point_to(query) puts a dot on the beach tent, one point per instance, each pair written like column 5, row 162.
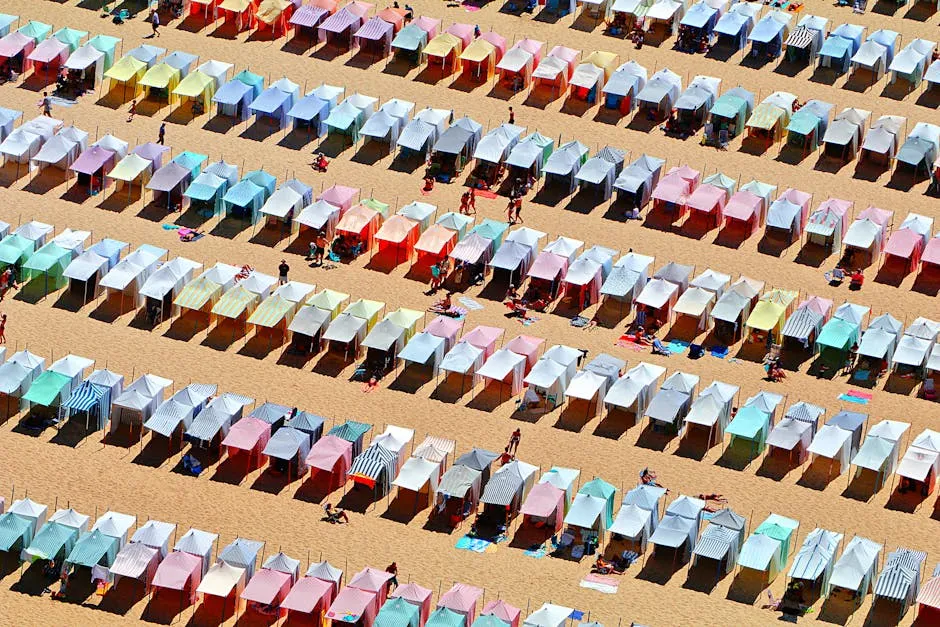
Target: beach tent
column 827, row 225
column 507, row 488
column 680, row 524
column 562, row 165
column 8, row 118
column 129, row 274
column 693, row 104
column 911, row 63
column 839, row 439
column 804, row 42
column 235, row 97
column 809, row 125
column 636, row 183
column 920, row 464
column 814, row 562
column 410, row 41
column 15, row 49
column 308, row 17
column 712, row 410
column 444, row 50
column 899, row 580
column 921, row 147
column 155, row 535
column 840, row 46
column 769, row 34
column 771, row 117
column 275, row 102
column 623, row 85
column 880, row 450
column 867, row 234
column 49, row 55
column 461, row 599
column 165, row 284
column 517, row 64
column 555, row 69
column 598, row 174
column 660, row 92
column 928, row 599
column 844, row 135
column 855, row 569
column 634, row 391
column 160, row 81
column 767, row 549
column 180, row 572
column 6, row 22
column 731, row 110
column 734, row 26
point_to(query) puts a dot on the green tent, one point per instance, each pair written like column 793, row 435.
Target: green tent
column 730, row 108
column 351, row 431
column 38, row 31
column 15, row 250
column 398, row 612
column 48, row 262
column 70, row 37
column 489, row 620
column 93, row 549
column 778, row 532
column 603, row 490
column 837, row 334
column 54, row 540
column 107, row 45
column 14, row 530
column 443, row 617
column 47, row 389
column 492, row 230
column 749, row 428
column 803, row 130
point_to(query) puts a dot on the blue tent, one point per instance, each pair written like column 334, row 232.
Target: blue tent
column 233, row 99
column 310, row 112
column 768, row 35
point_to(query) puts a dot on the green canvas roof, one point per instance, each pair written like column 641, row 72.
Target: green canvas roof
column 13, row 528
column 249, row 79
column 271, row 312
column 15, row 249
column 70, row 37
column 92, row 549
column 350, row 430
column 54, row 538
column 729, row 106
column 748, row 423
column 803, row 122
column 837, row 334
column 443, row 617
column 397, row 612
column 489, row 620
column 50, row 259
column 46, row 389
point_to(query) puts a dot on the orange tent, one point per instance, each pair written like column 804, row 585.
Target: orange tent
column 400, row 233
column 359, row 223
column 395, row 17
column 436, row 242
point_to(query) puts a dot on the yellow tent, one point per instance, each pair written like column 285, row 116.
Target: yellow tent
column 442, row 47
column 128, row 70
column 602, row 60
column 270, row 10
column 328, row 300
column 163, row 78
column 406, row 319
column 482, row 55
column 129, row 168
column 238, row 6
column 368, row 310
column 197, row 86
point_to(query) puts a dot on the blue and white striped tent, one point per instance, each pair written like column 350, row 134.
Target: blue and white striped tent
column 92, row 400
column 376, row 464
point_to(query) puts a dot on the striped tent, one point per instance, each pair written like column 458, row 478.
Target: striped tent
column 235, row 302
column 271, row 312
column 197, row 293
column 52, row 541
column 89, row 398
column 375, row 467
column 14, row 529
column 718, row 543
column 93, row 549
column 899, row 581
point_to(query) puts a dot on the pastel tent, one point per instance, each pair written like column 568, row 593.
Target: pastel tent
column 921, row 461
column 15, row 49
column 899, row 580
column 693, row 104
column 49, row 55
column 809, row 125
column 767, row 548
column 274, row 14
column 197, row 86
column 556, row 68
column 8, row 118
column 338, row 28
column 6, row 21
column 130, row 273
column 921, row 147
column 508, row 487
column 24, row 143
column 548, row 615
column 827, row 225
column 501, row 611
column 856, row 567
column 868, row 232
column 234, row 97
column 160, row 81
column 597, row 175
column 660, row 92
column 623, row 85
column 770, row 32
column 735, row 25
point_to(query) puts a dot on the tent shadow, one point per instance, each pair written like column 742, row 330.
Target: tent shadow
column 754, row 146
column 411, row 379
column 584, row 202
column 72, row 433
column 529, row 537
column 405, row 507
column 824, row 76
column 693, row 445
column 313, row 491
column 868, row 170
column 120, row 199
column 225, row 333
column 35, row 291
column 615, row 423
column 120, row 602
column 790, row 69
column 67, row 301
column 333, row 146
column 32, row 582
column 791, row 155
column 187, row 326
column 747, row 586
column 812, row 255
column 229, row 228
column 491, row 396
column 331, row 365
column 270, row 235
column 702, row 577
column 920, row 12
column 927, row 282
column 837, row 610
column 735, row 460
column 661, row 564
column 860, row 81
column 772, row 246
column 358, row 499
column 271, row 481
column 262, row 344
column 466, row 83
column 221, row 124
column 653, row 439
column 297, row 139
column 181, row 115
column 329, row 52
column 830, row 165
column 45, row 181
column 907, row 502
column 575, row 416
column 549, row 195
column 862, row 487
column 371, row 152
column 293, row 358
column 883, row 612
column 156, row 451
column 775, row 468
column 398, row 67
column 731, row 237
column 156, row 210
column 262, row 128
column 11, row 174
column 901, row 384
column 212, row 611
column 929, row 99
column 165, row 608
column 892, row 272
column 232, row 470
column 76, row 194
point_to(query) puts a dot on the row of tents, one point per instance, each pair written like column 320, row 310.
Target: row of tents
column 115, row 551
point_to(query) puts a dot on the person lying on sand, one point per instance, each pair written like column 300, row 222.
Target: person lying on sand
column 335, row 515
column 443, row 305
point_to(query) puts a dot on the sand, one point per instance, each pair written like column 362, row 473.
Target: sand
column 93, row 477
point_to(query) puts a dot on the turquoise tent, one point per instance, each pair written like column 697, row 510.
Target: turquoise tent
column 54, row 541
column 15, row 250
column 493, row 230
column 49, row 262
column 47, row 389
column 107, row 45
column 93, row 549
column 209, row 190
column 443, row 617
column 749, row 429
column 398, row 612
column 601, row 489
column 838, row 335
column 15, row 531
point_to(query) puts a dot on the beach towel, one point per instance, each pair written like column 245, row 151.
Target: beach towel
column 579, row 322
column 485, row 193
column 476, row 545
column 470, row 304
column 537, row 551
column 677, row 346
column 861, row 394
column 853, row 399
column 606, row 585
column 719, row 351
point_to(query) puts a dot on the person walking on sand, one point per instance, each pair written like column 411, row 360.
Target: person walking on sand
column 321, row 249
column 282, row 271
column 512, row 116
column 3, row 328
column 514, row 441
column 154, row 22
column 161, row 135
column 46, row 104
column 132, row 111
column 392, row 569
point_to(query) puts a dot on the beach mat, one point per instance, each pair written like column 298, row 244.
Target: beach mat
column 853, row 399
column 475, row 545
column 607, row 585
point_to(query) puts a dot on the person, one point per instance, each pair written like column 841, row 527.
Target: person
column 443, row 305
column 659, row 348
column 476, row 31
column 511, row 294
column 63, row 585
column 5, row 281
column 154, row 313
column 506, row 457
column 392, row 569
column 512, row 116
column 312, row 251
column 472, row 201
column 46, row 104
column 320, row 163
column 428, row 184
column 777, row 373
column 409, row 13
column 132, row 111
column 335, row 515
column 161, row 135
column 321, row 249
column 465, row 200
column 190, row 235
column 514, row 440
column 371, row 385
column 518, row 208
column 155, row 22
column 282, row 271
column 436, row 276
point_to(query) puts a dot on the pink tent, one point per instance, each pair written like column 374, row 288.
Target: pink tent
column 708, row 199
column 308, row 596
column 428, row 25
column 545, row 501
column 503, row 611
column 352, row 605
column 332, row 455
column 498, row 41
column 548, row 267
column 745, row 207
column 16, row 48
column 907, row 245
column 931, row 254
column 528, row 347
column 531, row 46
column 267, row 587
column 248, row 437
column 463, row 32
column 50, row 53
column 568, row 55
column 822, row 306
column 672, row 189
column 473, row 249
column 447, row 328
column 436, row 242
column 876, row 215
column 179, row 571
column 372, row 580
column 691, row 175
column 799, row 198
column 340, row 196
column 462, row 598
column 484, row 338
column 416, row 595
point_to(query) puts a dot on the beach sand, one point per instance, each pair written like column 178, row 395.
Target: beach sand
column 93, row 477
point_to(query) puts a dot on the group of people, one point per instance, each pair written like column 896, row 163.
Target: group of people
column 440, row 270
column 775, row 371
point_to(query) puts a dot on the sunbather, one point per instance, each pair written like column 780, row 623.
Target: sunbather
column 442, row 305
column 335, row 515
column 659, row 348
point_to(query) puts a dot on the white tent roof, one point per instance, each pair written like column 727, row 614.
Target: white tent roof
column 585, row 385
column 415, row 473
column 500, row 364
column 657, row 293
column 548, row 616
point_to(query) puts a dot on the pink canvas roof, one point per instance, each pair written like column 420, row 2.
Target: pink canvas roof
column 340, row 196
column 307, row 594
column 484, row 338
column 93, row 160
column 329, row 450
column 359, row 8
column 569, row 55
column 742, row 206
column 836, row 205
column 817, row 304
column 14, row 43
column 689, row 174
column 546, row 501
column 707, row 198
column 876, row 215
column 461, row 598
column 267, row 586
column 463, row 32
column 498, row 41
column 49, row 50
column 370, row 579
column 503, row 611
column 248, row 434
column 527, row 346
column 797, row 197
column 412, row 592
column 178, row 571
column 932, row 251
column 903, row 243
column 350, row 604
column 444, row 327
column 548, row 266
column 672, row 188
column 531, row 46
column 428, row 25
